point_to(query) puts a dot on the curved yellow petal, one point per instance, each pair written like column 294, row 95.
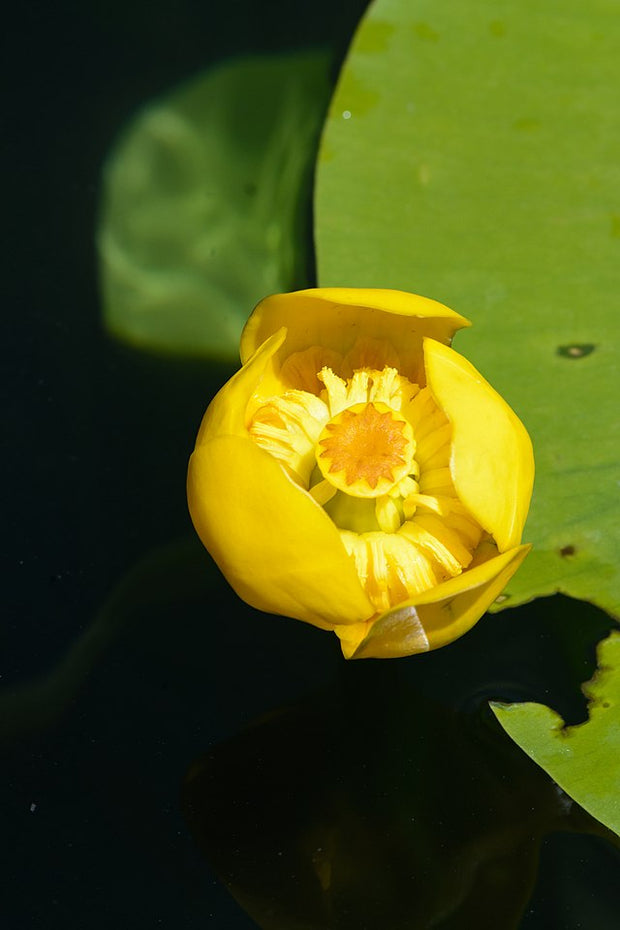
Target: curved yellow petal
column 277, row 547
column 227, row 412
column 436, row 617
column 492, row 462
column 334, row 317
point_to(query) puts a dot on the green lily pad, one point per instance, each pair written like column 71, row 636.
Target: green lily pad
column 584, row 760
column 471, row 154
column 205, row 203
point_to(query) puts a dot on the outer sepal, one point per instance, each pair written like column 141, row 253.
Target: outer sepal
column 492, row 462
column 332, row 317
column 436, row 617
column 276, row 546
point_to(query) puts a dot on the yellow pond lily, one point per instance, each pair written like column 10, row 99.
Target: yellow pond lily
column 359, row 474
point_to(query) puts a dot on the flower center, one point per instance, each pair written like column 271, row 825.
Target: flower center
column 348, row 440
column 365, row 450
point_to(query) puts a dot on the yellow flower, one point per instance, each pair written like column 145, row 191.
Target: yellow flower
column 359, row 474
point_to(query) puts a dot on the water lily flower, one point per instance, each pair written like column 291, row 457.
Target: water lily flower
column 359, row 474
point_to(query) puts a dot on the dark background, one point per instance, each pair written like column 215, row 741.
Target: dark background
column 97, row 737
column 96, row 442
column 97, row 436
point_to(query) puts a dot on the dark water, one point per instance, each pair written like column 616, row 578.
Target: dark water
column 155, row 733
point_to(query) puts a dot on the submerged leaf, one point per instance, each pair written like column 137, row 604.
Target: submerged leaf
column 584, row 760
column 205, row 203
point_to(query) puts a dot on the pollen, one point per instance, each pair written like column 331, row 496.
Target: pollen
column 366, row 450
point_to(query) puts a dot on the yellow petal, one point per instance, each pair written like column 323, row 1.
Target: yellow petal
column 492, row 463
column 335, row 317
column 436, row 617
column 276, row 546
column 227, row 413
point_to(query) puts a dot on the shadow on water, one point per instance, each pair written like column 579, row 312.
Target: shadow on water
column 394, row 800
column 373, row 806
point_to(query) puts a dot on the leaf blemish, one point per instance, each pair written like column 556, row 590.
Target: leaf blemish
column 567, row 551
column 576, row 350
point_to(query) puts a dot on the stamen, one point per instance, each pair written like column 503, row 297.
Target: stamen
column 416, row 568
column 446, row 536
column 425, row 501
column 391, row 388
column 418, row 408
column 469, row 531
column 355, row 545
column 406, row 487
column 389, row 567
column 335, row 394
column 358, row 388
column 432, row 443
column 387, row 513
column 423, row 539
column 288, row 427
column 436, row 480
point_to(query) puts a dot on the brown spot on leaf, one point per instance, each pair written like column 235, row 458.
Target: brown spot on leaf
column 577, row 350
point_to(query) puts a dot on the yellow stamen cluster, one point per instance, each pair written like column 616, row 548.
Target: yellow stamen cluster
column 373, row 449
